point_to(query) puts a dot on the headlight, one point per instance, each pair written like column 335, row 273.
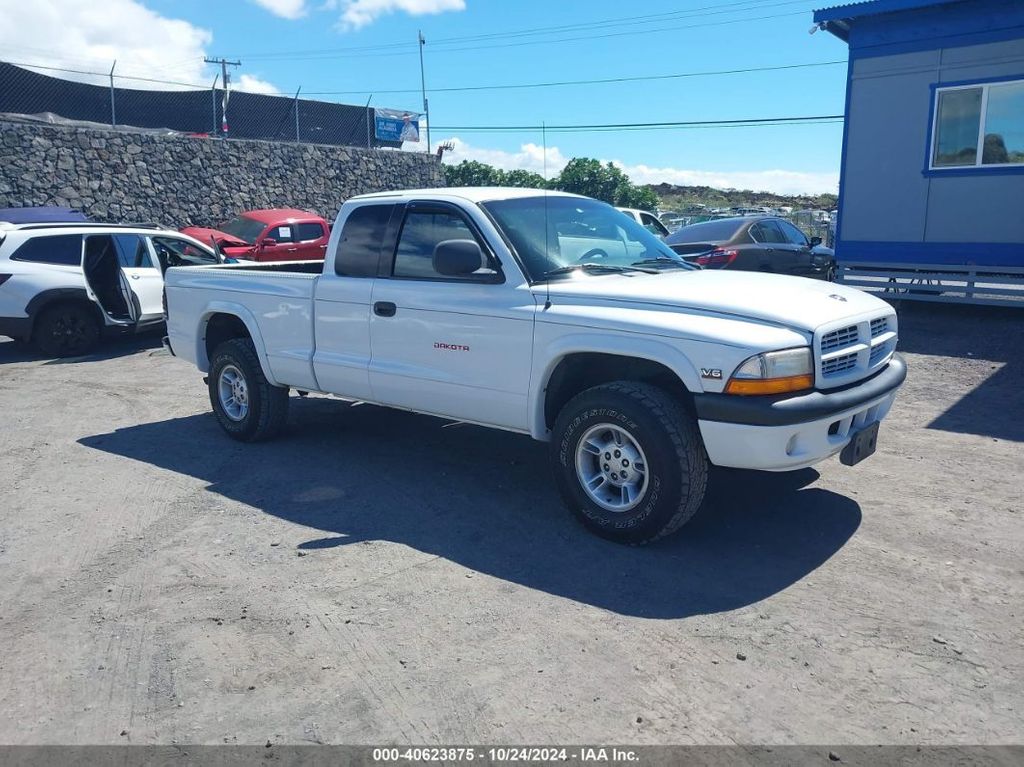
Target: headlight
column 774, row 373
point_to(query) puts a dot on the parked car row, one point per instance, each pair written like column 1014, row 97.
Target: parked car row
column 748, row 242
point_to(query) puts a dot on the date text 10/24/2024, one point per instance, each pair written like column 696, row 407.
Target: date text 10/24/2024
column 505, row 754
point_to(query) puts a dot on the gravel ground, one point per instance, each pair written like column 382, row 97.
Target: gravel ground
column 376, row 576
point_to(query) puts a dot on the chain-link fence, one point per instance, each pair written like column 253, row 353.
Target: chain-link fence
column 184, row 108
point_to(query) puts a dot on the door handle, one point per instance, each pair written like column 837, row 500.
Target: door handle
column 292, row 250
column 384, row 309
column 135, row 276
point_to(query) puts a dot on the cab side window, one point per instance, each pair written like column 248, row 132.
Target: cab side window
column 421, row 233
column 285, row 233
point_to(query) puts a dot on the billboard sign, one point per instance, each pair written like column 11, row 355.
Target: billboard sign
column 396, row 125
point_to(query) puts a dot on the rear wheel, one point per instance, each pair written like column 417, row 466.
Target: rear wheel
column 248, row 407
column 65, row 330
column 629, row 461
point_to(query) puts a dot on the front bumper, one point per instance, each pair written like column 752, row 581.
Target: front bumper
column 790, row 432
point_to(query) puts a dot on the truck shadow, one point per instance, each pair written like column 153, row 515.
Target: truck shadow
column 485, row 500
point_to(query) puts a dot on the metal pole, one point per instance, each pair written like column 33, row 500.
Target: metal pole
column 369, row 132
column 213, row 101
column 113, row 109
column 423, row 89
column 297, row 114
column 226, row 79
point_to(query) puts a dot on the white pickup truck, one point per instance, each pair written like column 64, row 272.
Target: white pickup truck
column 555, row 316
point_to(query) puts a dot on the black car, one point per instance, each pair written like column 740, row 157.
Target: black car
column 754, row 244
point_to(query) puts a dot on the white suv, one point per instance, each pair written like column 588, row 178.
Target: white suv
column 62, row 286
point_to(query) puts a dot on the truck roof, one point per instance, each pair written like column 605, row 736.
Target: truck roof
column 470, row 193
column 274, row 215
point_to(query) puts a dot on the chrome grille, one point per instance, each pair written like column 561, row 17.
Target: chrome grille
column 848, row 353
column 837, row 339
column 838, row 365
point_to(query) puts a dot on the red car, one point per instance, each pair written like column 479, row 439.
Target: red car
column 277, row 234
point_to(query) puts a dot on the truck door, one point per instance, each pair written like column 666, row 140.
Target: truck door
column 278, row 244
column 454, row 346
column 311, row 240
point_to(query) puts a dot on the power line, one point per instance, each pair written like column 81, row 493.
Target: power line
column 104, row 74
column 601, row 81
column 444, row 44
column 597, row 127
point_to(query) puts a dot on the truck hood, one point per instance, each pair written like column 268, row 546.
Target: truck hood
column 223, row 239
column 794, row 302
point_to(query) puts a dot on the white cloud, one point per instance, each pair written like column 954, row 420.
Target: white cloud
column 359, row 13
column 531, row 157
column 775, row 180
column 252, row 84
column 78, row 34
column 286, row 9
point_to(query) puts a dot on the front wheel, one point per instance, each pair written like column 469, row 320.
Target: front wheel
column 629, row 461
column 248, row 407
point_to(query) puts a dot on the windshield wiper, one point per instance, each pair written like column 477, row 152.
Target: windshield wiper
column 676, row 263
column 591, row 267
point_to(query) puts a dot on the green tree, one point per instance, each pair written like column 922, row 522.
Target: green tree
column 524, row 178
column 473, row 173
column 586, row 176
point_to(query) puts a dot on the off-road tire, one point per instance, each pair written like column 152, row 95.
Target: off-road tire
column 267, row 404
column 677, row 464
column 65, row 330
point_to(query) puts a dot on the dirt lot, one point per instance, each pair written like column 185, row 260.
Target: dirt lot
column 377, row 576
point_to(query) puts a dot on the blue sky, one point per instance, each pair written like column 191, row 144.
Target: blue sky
column 284, row 44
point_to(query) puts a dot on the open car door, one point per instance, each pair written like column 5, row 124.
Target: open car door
column 106, row 282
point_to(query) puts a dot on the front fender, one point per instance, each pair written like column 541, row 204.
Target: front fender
column 247, row 318
column 625, row 345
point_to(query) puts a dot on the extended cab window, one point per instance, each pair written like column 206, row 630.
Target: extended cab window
column 308, row 232
column 421, row 233
column 63, row 249
column 358, row 253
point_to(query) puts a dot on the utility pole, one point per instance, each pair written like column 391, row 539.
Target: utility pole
column 423, row 88
column 224, row 64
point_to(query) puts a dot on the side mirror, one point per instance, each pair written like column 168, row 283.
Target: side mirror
column 815, row 242
column 267, row 242
column 457, row 258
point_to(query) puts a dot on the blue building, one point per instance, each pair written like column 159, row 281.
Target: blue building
column 931, row 193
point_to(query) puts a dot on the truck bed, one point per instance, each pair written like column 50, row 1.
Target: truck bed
column 279, row 294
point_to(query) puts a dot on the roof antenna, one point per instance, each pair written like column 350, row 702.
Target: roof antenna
column 544, row 142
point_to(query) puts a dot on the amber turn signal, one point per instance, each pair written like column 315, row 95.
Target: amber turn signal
column 769, row 385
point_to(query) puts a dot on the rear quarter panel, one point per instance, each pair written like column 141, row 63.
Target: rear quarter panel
column 275, row 307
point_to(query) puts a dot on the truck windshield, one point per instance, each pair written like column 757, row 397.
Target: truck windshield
column 245, row 229
column 552, row 233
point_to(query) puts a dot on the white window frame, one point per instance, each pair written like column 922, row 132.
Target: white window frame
column 985, row 87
